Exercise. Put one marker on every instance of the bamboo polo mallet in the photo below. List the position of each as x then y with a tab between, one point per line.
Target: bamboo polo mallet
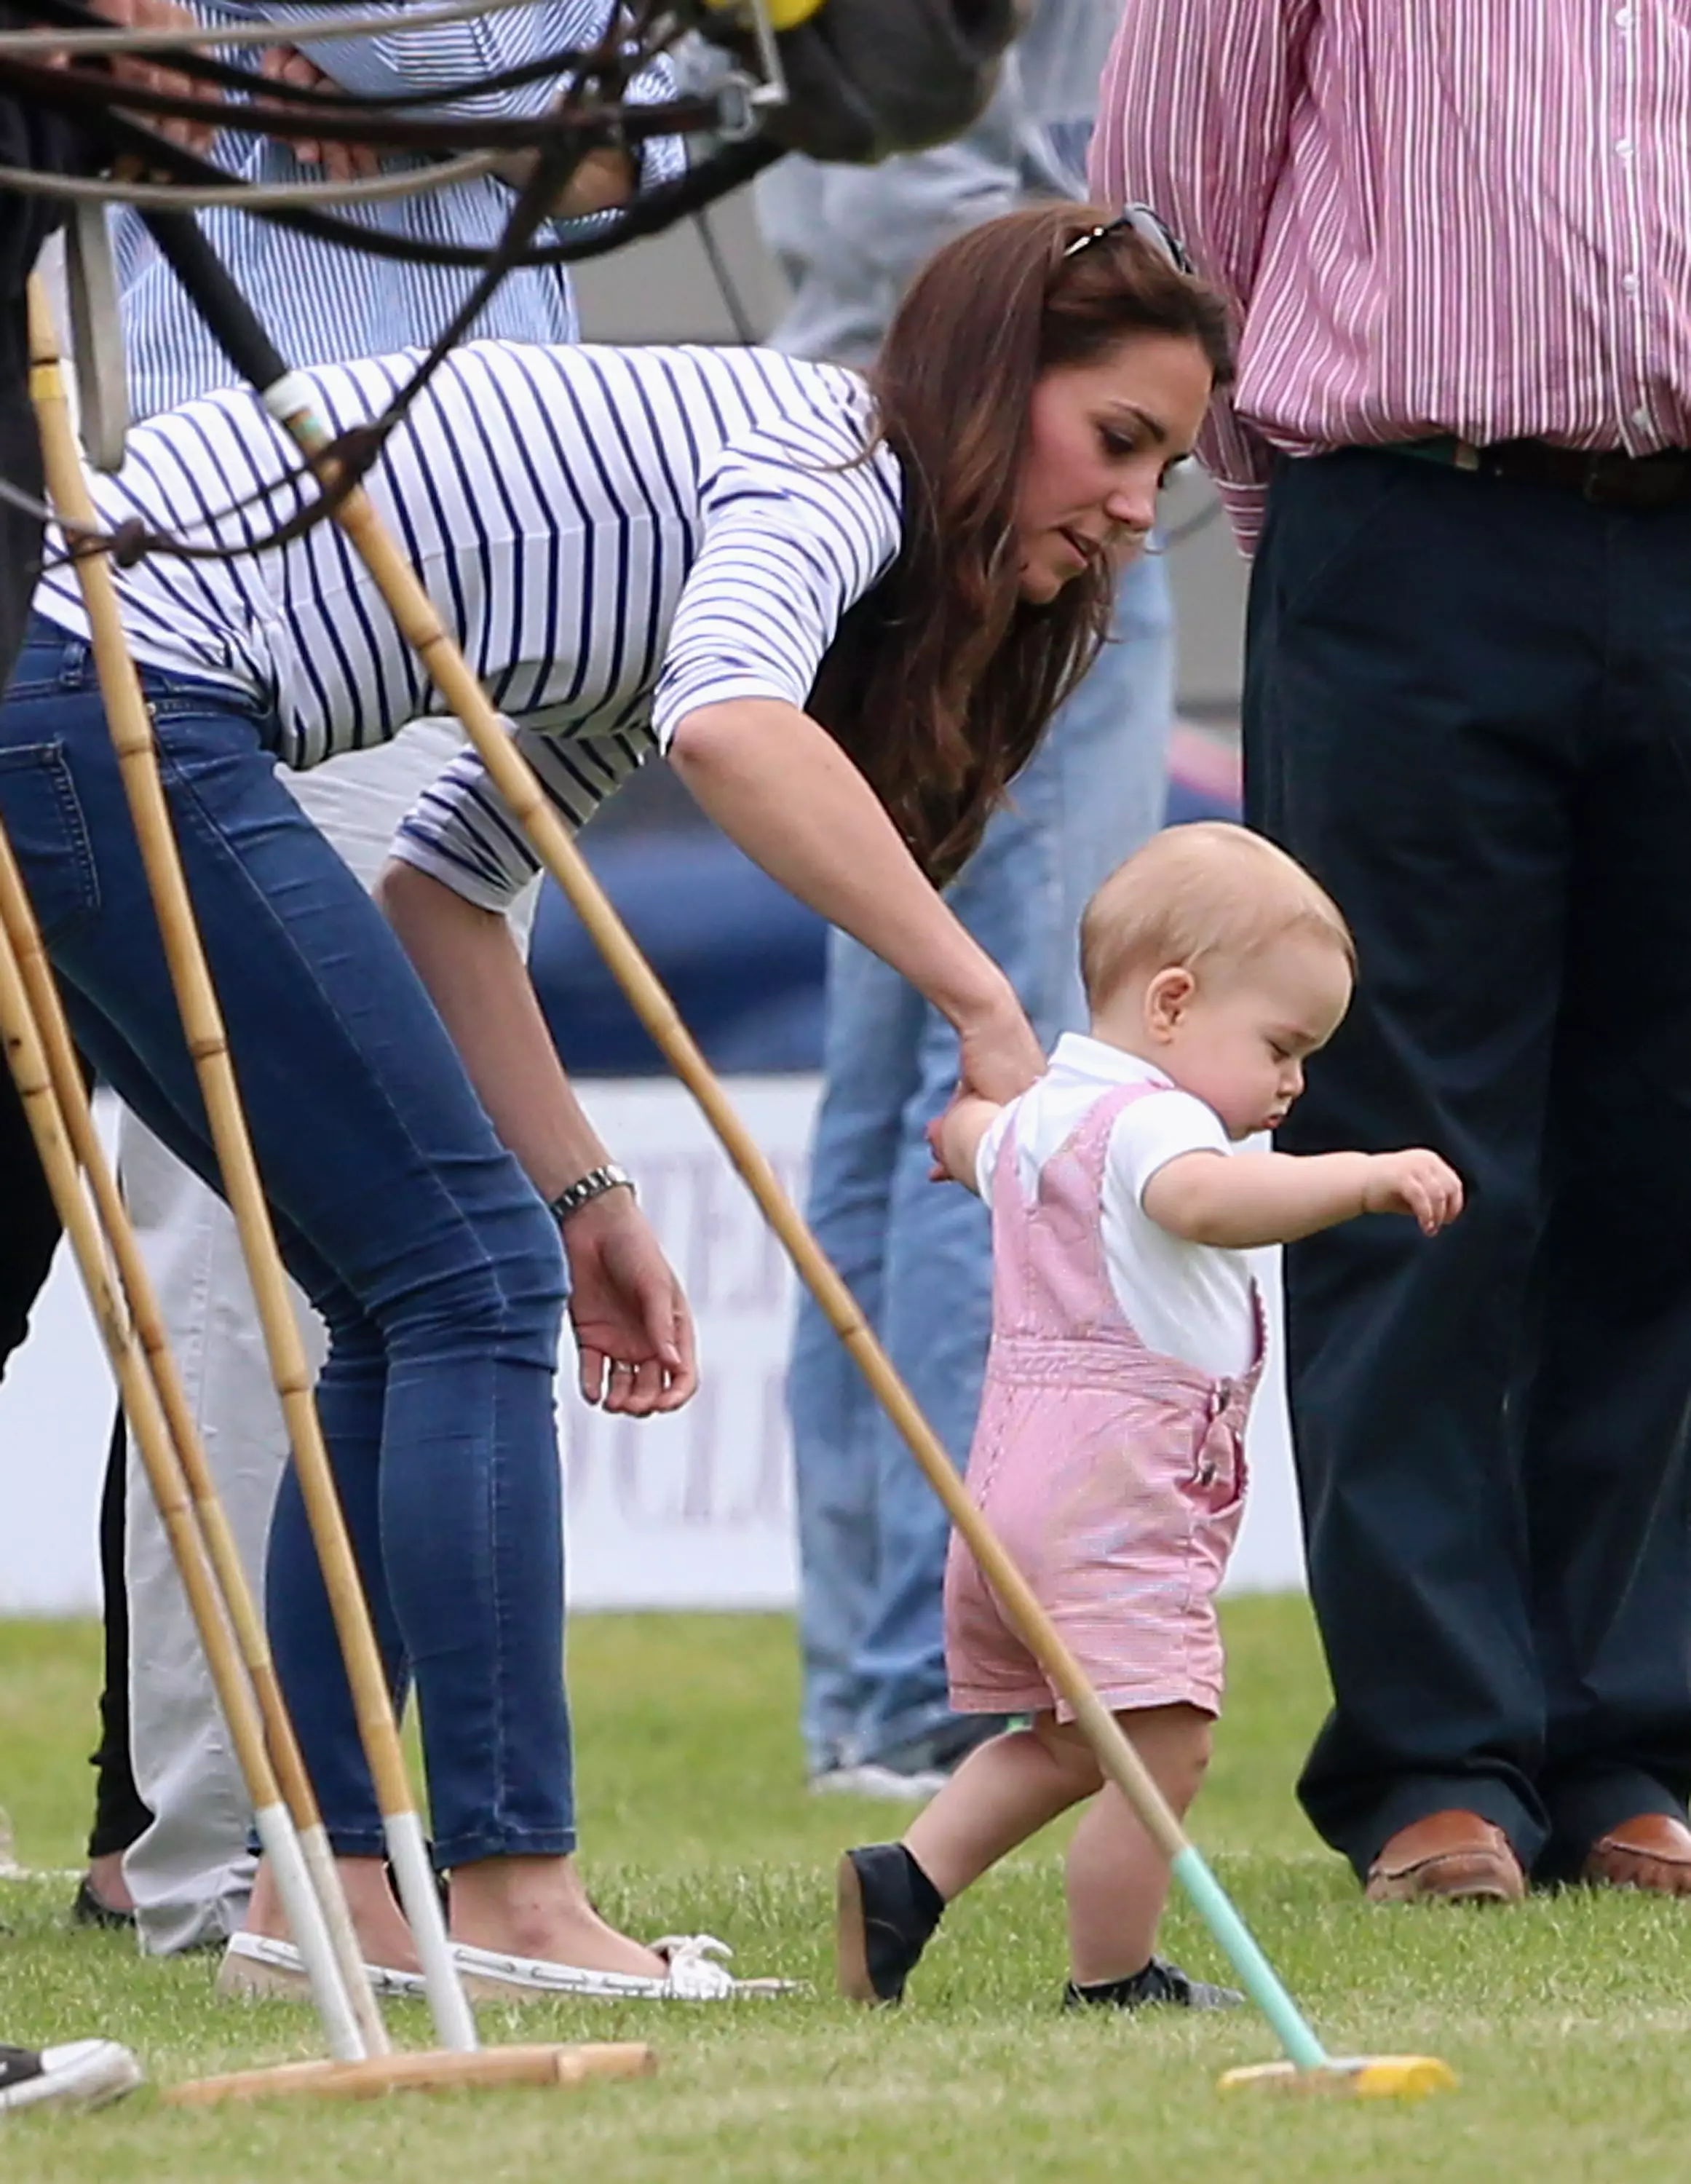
132	737
342	2076
50	1084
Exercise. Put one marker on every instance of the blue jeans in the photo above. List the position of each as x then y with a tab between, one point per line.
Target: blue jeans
434	1264
871	1533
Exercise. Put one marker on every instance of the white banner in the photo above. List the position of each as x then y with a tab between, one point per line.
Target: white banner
692	1511
695	1510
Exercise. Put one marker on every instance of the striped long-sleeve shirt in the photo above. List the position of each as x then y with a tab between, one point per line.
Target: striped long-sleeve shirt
1462	216
320	304
614	536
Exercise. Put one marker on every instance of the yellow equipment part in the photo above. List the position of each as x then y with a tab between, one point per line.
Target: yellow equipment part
1361	2077
783	14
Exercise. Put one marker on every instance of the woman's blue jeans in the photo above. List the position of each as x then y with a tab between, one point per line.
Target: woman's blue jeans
871	1533
432	1260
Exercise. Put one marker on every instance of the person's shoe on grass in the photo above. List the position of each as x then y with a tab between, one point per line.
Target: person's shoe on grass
81	2073
1453	1857
1651	1853
886	1910
89	1907
1158	1983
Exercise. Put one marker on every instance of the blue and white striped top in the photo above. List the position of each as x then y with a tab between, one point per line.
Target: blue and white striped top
320	304
614	537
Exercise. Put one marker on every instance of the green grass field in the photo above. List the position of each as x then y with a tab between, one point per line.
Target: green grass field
1567	2020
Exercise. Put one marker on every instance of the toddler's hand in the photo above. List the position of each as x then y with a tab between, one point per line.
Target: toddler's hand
935	1134
1417	1182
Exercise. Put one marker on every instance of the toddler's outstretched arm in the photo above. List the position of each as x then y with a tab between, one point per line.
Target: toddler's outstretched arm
1242	1200
955	1137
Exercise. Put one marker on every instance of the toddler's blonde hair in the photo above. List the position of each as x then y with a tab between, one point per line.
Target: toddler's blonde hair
1204	890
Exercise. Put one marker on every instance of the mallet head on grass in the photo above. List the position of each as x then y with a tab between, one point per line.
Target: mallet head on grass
1358	2077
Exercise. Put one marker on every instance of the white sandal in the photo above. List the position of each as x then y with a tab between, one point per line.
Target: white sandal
255	1966
695	1974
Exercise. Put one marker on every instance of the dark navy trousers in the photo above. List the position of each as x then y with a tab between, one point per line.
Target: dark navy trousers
1468	710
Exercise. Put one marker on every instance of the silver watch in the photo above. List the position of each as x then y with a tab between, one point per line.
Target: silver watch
587	1188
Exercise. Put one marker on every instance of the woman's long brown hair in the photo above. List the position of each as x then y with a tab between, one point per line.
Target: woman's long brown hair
941	682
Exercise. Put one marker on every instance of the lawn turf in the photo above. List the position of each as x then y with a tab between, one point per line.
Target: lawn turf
1567	2019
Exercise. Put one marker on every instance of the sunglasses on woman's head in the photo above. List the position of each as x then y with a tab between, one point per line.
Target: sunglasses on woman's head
1150	226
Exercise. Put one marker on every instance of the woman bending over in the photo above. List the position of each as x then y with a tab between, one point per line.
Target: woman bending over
844	609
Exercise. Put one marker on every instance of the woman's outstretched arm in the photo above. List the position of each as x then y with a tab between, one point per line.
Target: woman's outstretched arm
778	785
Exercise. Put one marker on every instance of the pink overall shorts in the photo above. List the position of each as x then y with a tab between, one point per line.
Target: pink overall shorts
1114	1475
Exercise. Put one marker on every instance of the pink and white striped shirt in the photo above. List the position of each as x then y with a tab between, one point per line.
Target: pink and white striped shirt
1464	216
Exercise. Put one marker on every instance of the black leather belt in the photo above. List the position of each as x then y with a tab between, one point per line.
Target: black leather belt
1608	478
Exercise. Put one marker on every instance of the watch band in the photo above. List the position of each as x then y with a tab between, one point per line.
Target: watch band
588	1187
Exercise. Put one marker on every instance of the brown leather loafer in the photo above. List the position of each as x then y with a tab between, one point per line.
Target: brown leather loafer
1653	1852
1448	1857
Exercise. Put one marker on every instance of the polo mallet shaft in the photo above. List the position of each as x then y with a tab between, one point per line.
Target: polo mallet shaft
555	2066
514	779
56	1105
18	921
132	738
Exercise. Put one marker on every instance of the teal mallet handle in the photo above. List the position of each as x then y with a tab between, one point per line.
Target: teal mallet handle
1239	1945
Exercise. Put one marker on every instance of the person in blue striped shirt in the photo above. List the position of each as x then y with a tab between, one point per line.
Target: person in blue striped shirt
844	609
319	303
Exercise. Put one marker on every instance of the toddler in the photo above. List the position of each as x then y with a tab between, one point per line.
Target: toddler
1127	1340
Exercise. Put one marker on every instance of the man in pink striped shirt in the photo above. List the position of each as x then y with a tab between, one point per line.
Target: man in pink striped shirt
1457	234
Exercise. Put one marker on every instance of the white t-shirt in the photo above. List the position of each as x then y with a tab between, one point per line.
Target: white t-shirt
1189	1301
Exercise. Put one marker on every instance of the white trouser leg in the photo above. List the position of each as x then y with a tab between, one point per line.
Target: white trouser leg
191	1872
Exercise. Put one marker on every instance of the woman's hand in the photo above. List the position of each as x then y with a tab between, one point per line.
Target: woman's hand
998	1054
633	1330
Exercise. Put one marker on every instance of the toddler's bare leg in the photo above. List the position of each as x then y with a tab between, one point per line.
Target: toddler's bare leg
1004	1792
1117	1879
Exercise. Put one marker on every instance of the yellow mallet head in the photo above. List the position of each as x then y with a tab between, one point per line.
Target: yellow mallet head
1360	2077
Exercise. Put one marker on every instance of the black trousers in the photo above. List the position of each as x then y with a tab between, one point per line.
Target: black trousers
1468	710
29	1226
120	1817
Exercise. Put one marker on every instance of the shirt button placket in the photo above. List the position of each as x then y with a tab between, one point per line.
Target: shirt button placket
1625	147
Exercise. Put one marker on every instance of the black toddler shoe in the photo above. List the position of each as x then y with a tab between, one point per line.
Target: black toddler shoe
1159	1982
887	1909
